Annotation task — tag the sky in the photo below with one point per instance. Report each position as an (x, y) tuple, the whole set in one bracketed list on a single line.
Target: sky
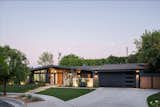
[(89, 29)]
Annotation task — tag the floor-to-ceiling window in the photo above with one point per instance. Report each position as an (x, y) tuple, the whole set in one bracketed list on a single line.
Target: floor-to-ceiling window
[(40, 75)]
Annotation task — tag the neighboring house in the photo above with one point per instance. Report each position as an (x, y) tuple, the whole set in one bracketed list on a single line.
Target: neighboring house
[(109, 75)]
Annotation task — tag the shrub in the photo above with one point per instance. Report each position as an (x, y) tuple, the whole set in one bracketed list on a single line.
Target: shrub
[(154, 100)]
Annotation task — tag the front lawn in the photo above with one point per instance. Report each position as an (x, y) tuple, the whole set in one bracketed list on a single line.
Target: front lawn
[(20, 88), (65, 93), (154, 100)]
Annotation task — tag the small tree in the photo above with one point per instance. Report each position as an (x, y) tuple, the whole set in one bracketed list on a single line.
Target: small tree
[(11, 65), (45, 59)]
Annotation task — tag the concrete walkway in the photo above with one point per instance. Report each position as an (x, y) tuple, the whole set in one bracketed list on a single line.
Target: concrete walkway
[(40, 89), (113, 97), (53, 86)]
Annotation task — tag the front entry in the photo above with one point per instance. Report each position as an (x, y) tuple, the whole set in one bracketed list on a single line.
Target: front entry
[(53, 79), (59, 78), (56, 78)]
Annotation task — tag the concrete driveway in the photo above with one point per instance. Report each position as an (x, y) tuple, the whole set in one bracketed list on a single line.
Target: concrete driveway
[(113, 97)]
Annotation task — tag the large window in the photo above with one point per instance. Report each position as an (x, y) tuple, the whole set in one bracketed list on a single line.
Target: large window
[(40, 75)]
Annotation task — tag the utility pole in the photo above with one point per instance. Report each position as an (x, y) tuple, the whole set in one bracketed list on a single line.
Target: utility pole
[(59, 56), (127, 51), (126, 54)]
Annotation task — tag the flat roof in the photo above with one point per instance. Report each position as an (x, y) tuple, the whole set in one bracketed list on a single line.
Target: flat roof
[(50, 66), (106, 67)]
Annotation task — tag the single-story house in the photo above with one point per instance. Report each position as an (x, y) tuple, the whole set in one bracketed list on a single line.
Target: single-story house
[(108, 75)]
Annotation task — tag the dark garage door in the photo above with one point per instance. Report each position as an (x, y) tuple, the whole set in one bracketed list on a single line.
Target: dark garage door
[(117, 79)]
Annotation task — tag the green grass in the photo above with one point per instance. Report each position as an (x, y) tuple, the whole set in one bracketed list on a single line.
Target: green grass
[(65, 93), (20, 88), (154, 100)]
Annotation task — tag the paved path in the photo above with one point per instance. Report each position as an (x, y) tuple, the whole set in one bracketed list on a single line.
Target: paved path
[(40, 89), (113, 97), (53, 86)]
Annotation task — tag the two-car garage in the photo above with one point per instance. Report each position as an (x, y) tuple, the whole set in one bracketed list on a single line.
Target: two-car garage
[(119, 75), (117, 79)]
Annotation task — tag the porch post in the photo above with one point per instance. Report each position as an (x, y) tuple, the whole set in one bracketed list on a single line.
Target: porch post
[(95, 79), (47, 76), (31, 77)]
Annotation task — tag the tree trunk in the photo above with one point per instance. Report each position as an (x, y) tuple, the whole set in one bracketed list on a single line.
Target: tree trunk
[(4, 86), (19, 82)]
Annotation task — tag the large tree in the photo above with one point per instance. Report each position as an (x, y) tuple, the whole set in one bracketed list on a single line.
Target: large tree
[(13, 65), (71, 60), (45, 59), (116, 60), (149, 50), (132, 58)]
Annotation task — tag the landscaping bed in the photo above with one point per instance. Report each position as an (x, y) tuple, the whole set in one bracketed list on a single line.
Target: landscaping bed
[(27, 98), (65, 93), (154, 100)]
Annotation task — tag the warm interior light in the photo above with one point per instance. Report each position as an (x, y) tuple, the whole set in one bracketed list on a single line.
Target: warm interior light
[(78, 71), (95, 76), (78, 76), (75, 84), (90, 82), (137, 71), (10, 83), (137, 77), (22, 83)]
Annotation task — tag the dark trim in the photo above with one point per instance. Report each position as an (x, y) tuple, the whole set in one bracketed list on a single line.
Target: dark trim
[(109, 67), (149, 74), (118, 71), (51, 66), (47, 76)]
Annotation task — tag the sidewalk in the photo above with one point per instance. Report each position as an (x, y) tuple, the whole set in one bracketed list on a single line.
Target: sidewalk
[(40, 89), (52, 86)]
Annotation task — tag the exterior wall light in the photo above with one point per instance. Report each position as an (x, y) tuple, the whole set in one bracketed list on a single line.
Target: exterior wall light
[(137, 71), (95, 76)]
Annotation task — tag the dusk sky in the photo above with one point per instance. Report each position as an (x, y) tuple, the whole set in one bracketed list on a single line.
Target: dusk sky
[(90, 29)]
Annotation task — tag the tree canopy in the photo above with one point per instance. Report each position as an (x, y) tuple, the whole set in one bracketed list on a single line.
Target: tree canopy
[(149, 50), (46, 58), (13, 65), (73, 60)]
